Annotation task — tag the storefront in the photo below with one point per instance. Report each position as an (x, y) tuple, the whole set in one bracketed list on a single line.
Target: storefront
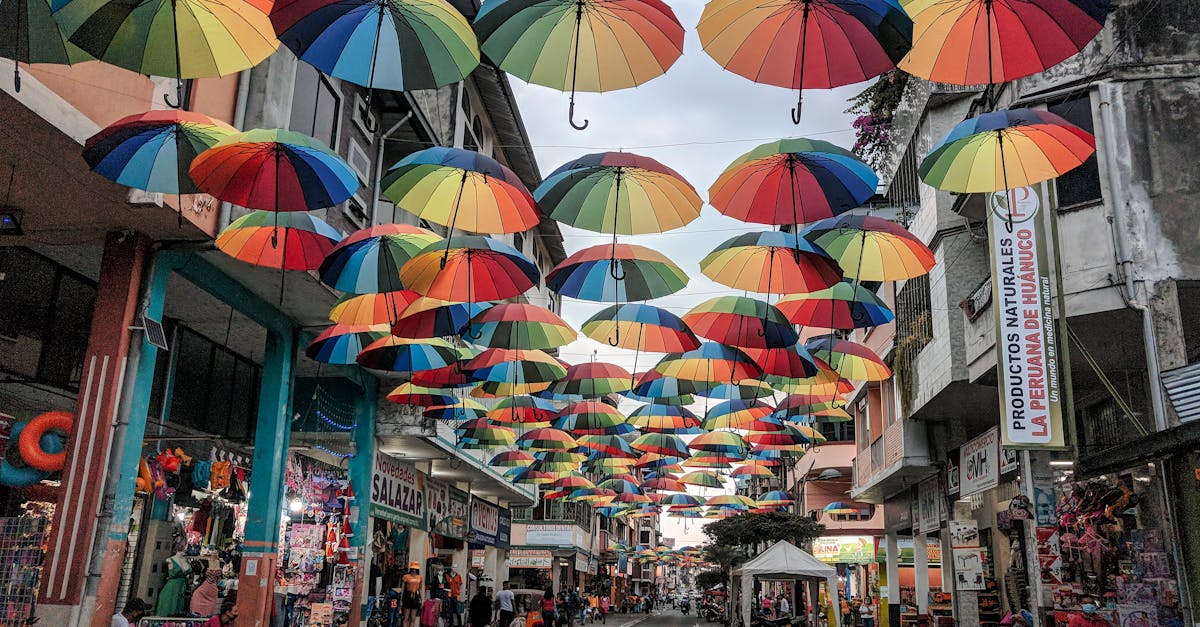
[(397, 521), (853, 557), (490, 532), (530, 568)]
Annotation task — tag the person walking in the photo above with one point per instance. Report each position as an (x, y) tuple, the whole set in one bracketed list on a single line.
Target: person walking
[(549, 609), (866, 612), (784, 608), (135, 609), (479, 612), (505, 609), (605, 604), (847, 617)]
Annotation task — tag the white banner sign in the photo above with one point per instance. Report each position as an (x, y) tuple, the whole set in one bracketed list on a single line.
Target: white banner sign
[(979, 463), (550, 535), (968, 569), (530, 558)]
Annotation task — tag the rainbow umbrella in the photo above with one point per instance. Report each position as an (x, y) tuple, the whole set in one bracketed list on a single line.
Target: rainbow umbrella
[(398, 45), (731, 500), (793, 181), (592, 417), (656, 418), (572, 481), (734, 414), (677, 500), (461, 189), (793, 362), (790, 436), (557, 460), (632, 498), (409, 394), (825, 381), (775, 498), (871, 249), (368, 261), (341, 343), (718, 461), (608, 464), (596, 495), (661, 444), (623, 272), (1005, 150), (849, 359), (451, 376), (430, 317), (771, 262), (684, 512), (515, 366), (718, 442), (29, 34), (752, 470), (399, 354), (653, 387), (501, 389), (593, 379), (471, 269), (746, 389), (972, 42), (805, 44), (520, 325), (846, 305), (658, 461), (644, 327), (711, 362), (663, 484), (371, 308), (800, 405), (528, 475), (766, 457), (178, 38), (254, 238), (511, 459), (619, 485), (523, 409), (546, 439), (606, 445), (742, 322), (581, 45), (464, 409), (842, 507)]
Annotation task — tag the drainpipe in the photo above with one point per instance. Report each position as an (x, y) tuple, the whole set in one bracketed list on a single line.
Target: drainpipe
[(1109, 94), (379, 163), (239, 119)]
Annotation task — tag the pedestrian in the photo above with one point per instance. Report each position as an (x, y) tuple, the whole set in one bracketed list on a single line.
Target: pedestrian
[(479, 613), (135, 610), (784, 608), (846, 616), (1088, 616), (766, 607), (549, 608), (505, 612), (605, 603), (226, 618), (866, 611)]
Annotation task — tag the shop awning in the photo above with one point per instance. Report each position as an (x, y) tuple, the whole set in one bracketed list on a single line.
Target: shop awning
[(782, 561)]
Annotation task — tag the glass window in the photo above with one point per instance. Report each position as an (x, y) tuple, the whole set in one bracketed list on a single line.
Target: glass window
[(212, 389), (1081, 185), (316, 105)]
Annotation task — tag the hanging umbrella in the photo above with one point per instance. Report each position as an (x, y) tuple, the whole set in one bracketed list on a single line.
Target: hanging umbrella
[(742, 322), (712, 362), (825, 381), (640, 327), (718, 442), (475, 269), (735, 414), (791, 436), (752, 470), (573, 480), (717, 461), (590, 274), (501, 389), (409, 394), (479, 434), (180, 39), (529, 476), (619, 193), (655, 418), (842, 507), (368, 261), (511, 459), (398, 354), (606, 445), (29, 34), (521, 325), (608, 464), (746, 389), (775, 498), (803, 405), (793, 362), (591, 417), (398, 45), (771, 262), (620, 485), (871, 249), (657, 461), (661, 444), (843, 306), (972, 42), (464, 409), (793, 181), (702, 478), (663, 484), (677, 500), (151, 151), (371, 308), (430, 317), (253, 238), (581, 45), (515, 366), (766, 457), (1005, 150), (849, 359), (731, 500), (593, 379), (341, 343), (653, 387), (805, 44), (523, 409), (546, 439)]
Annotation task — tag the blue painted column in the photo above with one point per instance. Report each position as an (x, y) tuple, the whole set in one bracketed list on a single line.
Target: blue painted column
[(361, 466)]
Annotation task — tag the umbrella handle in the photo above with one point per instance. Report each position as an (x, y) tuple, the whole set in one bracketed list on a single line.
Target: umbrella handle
[(370, 125), (178, 104), (614, 268), (16, 77), (571, 117), (474, 335), (796, 110)]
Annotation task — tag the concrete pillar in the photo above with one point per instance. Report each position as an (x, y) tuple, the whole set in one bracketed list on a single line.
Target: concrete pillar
[(74, 527), (1169, 342), (361, 466), (892, 570), (921, 572), (966, 602), (260, 551)]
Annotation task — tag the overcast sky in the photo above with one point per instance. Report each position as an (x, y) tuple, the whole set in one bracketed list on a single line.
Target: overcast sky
[(696, 119)]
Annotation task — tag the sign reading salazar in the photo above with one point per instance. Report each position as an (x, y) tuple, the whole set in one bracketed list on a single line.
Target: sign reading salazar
[(397, 492), (1026, 347)]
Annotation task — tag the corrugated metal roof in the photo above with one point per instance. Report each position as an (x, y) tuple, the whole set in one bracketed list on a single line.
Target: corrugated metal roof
[(1183, 389)]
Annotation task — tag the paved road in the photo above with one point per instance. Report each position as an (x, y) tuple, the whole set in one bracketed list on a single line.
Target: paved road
[(659, 618)]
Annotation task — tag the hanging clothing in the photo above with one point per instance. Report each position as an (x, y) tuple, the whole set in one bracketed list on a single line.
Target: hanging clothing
[(171, 600), (430, 612)]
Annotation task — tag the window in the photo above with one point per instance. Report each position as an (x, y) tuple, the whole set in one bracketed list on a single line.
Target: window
[(836, 431), (519, 242), (862, 514), (45, 318), (1081, 185), (212, 389), (316, 106)]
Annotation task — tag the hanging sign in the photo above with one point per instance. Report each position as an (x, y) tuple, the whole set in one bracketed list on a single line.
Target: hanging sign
[(968, 569), (844, 549), (929, 511), (490, 524), (952, 474), (979, 463), (397, 492), (447, 509), (1026, 346), (530, 558), (550, 535)]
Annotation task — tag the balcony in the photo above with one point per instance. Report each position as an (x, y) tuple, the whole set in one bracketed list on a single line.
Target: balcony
[(891, 463)]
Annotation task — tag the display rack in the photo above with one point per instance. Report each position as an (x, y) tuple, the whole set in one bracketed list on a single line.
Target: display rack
[(21, 541)]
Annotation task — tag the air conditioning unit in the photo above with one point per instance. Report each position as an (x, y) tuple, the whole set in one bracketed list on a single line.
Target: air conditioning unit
[(357, 157), (364, 118)]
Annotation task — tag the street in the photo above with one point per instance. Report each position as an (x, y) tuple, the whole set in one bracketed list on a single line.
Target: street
[(664, 618)]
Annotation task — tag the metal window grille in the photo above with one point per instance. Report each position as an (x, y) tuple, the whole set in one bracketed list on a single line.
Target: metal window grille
[(21, 542)]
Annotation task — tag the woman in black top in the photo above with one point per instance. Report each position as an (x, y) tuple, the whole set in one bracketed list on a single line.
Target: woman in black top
[(479, 613)]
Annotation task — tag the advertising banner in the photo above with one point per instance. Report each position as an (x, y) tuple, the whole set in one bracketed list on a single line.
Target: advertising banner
[(933, 551), (490, 524), (530, 558), (844, 549), (550, 535), (929, 505), (968, 569), (979, 463), (952, 473), (397, 492), (447, 508), (1026, 342)]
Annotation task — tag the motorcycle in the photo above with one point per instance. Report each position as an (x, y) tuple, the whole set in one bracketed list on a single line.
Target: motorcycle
[(712, 612), (761, 620), (685, 607)]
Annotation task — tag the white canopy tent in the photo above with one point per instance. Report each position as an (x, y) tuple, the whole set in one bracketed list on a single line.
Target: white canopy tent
[(784, 561)]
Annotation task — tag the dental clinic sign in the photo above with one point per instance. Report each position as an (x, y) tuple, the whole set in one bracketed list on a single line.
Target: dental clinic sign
[(1026, 346)]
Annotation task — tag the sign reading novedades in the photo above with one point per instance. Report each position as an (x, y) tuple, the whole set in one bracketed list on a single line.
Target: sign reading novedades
[(1026, 346), (397, 492)]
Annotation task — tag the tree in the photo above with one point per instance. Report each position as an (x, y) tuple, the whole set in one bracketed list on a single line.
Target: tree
[(748, 529), (706, 579)]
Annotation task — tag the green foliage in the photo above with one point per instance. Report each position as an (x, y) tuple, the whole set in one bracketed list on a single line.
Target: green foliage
[(727, 557), (748, 529), (874, 108), (706, 579)]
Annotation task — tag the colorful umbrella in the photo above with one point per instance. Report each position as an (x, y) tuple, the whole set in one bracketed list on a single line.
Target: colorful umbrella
[(972, 42), (663, 484), (511, 459), (619, 193), (660, 443), (593, 379), (528, 475), (523, 409), (572, 481), (606, 445), (471, 269), (644, 327), (655, 418), (254, 237), (1005, 150), (619, 485), (702, 478), (805, 44), (461, 189), (842, 507), (272, 170), (29, 34), (653, 387), (871, 249), (571, 459), (843, 306), (176, 38), (775, 498), (746, 389), (608, 464), (591, 417), (371, 308), (712, 460), (825, 381), (751, 470), (464, 409), (481, 434), (546, 439), (849, 359), (430, 317), (623, 272), (501, 389), (581, 45), (398, 45), (515, 366), (718, 442), (368, 261), (771, 262), (742, 322), (398, 354), (451, 376), (677, 500), (735, 414), (341, 343), (805, 404), (658, 461), (409, 394), (791, 436), (731, 500), (792, 362), (520, 325), (712, 362)]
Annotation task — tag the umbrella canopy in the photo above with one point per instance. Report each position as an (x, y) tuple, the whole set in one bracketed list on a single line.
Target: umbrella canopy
[(972, 42), (742, 322), (641, 327), (871, 249), (273, 170), (620, 485), (803, 404), (581, 45), (1005, 150), (501, 389), (793, 181), (606, 445), (368, 261), (450, 376), (572, 481), (735, 414), (702, 478), (846, 305), (718, 442), (464, 409), (771, 262), (843, 507), (657, 461), (718, 461), (515, 366), (619, 193), (520, 325), (789, 437), (511, 459), (774, 498), (663, 484), (825, 381), (590, 417), (523, 409), (341, 343), (430, 317), (461, 189), (655, 418), (399, 45), (608, 464), (654, 387), (480, 434), (712, 362), (593, 379), (731, 500), (371, 308), (661, 444), (591, 274), (398, 354), (470, 269), (409, 394), (793, 362), (677, 500), (29, 34), (746, 389), (849, 359), (546, 439), (255, 238)]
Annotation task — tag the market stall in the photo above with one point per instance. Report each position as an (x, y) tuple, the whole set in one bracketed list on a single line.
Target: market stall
[(783, 561)]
